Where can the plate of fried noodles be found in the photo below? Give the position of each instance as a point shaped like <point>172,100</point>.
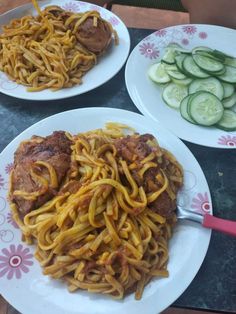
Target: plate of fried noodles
<point>87,215</point>
<point>58,49</point>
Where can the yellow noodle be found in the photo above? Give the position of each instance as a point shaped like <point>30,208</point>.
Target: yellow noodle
<point>104,237</point>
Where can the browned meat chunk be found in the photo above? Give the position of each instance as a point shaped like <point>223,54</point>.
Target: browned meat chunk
<point>163,205</point>
<point>133,149</point>
<point>54,150</point>
<point>96,38</point>
<point>95,34</point>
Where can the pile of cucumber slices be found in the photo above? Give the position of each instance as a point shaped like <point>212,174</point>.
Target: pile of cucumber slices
<point>200,83</point>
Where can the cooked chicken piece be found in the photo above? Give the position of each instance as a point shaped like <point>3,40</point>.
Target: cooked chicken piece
<point>96,38</point>
<point>53,149</point>
<point>133,149</point>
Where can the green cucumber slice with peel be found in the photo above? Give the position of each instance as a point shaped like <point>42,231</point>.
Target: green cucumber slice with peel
<point>230,101</point>
<point>184,109</point>
<point>228,89</point>
<point>192,69</point>
<point>205,108</point>
<point>229,76</point>
<point>173,94</point>
<point>209,84</point>
<point>228,121</point>
<point>157,73</point>
<point>208,64</point>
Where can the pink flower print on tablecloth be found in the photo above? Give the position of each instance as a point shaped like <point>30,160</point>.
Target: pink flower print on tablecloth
<point>201,203</point>
<point>189,29</point>
<point>160,33</point>
<point>227,140</point>
<point>9,167</point>
<point>11,221</point>
<point>149,50</point>
<point>15,261</point>
<point>1,182</point>
<point>202,35</point>
<point>71,6</point>
<point>114,21</point>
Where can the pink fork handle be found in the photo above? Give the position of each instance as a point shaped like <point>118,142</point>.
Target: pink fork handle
<point>226,226</point>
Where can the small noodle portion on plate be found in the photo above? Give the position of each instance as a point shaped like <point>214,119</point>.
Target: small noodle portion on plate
<point>53,49</point>
<point>99,206</point>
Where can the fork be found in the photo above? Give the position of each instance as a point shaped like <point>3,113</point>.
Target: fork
<point>208,221</point>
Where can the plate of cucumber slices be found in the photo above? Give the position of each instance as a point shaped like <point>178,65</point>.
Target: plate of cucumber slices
<point>185,78</point>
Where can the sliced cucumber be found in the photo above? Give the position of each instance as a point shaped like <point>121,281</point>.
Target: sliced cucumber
<point>170,67</point>
<point>219,72</point>
<point>176,75</point>
<point>192,69</point>
<point>200,49</point>
<point>228,121</point>
<point>229,76</point>
<point>158,74</point>
<point>205,108</point>
<point>221,54</point>
<point>208,64</point>
<point>209,84</point>
<point>213,55</point>
<point>200,83</point>
<point>184,82</point>
<point>178,49</point>
<point>179,62</point>
<point>173,94</point>
<point>230,101</point>
<point>231,62</point>
<point>169,56</point>
<point>228,89</point>
<point>184,109</point>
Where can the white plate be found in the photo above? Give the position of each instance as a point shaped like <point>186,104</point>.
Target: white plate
<point>108,65</point>
<point>34,293</point>
<point>146,95</point>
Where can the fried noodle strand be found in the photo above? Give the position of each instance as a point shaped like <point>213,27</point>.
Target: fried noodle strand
<point>104,237</point>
